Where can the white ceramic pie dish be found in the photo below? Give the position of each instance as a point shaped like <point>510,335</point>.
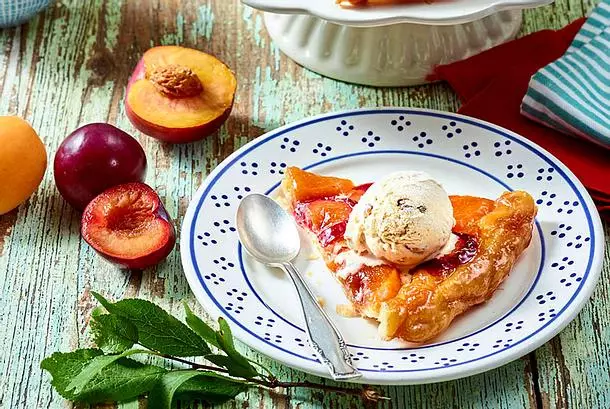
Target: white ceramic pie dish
<point>395,45</point>
<point>446,12</point>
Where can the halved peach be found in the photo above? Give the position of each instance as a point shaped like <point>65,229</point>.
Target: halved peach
<point>128,225</point>
<point>179,95</point>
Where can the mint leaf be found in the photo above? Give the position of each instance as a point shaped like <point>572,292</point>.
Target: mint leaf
<point>224,337</point>
<point>113,334</point>
<point>63,366</point>
<point>212,388</point>
<point>234,368</point>
<point>94,367</point>
<point>203,385</point>
<point>200,327</point>
<point>234,362</point>
<point>122,380</point>
<point>157,330</point>
<point>162,395</point>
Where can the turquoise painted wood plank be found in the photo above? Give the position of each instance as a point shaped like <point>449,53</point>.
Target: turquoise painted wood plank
<point>573,368</point>
<point>70,65</point>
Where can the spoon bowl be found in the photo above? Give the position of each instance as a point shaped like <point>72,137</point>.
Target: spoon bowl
<point>266,231</point>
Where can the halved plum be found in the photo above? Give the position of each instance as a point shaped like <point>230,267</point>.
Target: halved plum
<point>128,225</point>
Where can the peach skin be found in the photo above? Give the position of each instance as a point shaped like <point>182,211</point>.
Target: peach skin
<point>23,160</point>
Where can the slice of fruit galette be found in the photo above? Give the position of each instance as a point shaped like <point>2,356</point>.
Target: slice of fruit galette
<point>412,302</point>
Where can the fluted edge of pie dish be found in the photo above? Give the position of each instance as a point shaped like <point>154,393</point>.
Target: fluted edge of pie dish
<point>395,55</point>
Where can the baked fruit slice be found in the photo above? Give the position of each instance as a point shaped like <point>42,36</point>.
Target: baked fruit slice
<point>419,304</point>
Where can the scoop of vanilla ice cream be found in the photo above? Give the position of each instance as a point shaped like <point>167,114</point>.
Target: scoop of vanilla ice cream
<point>404,218</point>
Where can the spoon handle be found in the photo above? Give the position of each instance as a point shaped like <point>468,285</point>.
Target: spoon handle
<point>324,336</point>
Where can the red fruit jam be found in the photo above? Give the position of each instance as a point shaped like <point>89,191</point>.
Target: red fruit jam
<point>327,217</point>
<point>465,250</point>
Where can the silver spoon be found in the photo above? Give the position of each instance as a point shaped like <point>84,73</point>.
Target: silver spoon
<point>270,235</point>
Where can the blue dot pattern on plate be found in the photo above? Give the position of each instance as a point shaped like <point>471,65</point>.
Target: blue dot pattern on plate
<point>502,148</point>
<point>545,174</point>
<point>400,123</point>
<point>277,168</point>
<point>451,129</point>
<point>466,346</point>
<point>322,149</point>
<point>515,171</point>
<point>224,226</point>
<point>371,139</point>
<point>422,139</point>
<point>344,128</point>
<point>290,145</point>
<point>567,240</point>
<point>413,358</point>
<point>471,149</point>
<point>249,168</point>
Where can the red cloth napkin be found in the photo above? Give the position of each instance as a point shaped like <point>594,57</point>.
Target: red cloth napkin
<point>492,84</point>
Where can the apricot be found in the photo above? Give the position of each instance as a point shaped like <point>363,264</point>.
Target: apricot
<point>23,160</point>
<point>303,186</point>
<point>468,210</point>
<point>179,95</point>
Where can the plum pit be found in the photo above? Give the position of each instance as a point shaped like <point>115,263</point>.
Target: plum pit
<point>130,214</point>
<point>175,81</point>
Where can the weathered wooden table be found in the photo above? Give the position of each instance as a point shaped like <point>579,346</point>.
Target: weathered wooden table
<point>69,66</point>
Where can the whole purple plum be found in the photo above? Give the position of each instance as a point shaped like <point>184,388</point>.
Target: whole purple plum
<point>94,158</point>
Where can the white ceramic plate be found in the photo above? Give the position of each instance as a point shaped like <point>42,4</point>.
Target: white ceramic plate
<point>435,12</point>
<point>547,288</point>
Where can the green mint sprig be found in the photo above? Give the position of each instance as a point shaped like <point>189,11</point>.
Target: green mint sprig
<point>134,327</point>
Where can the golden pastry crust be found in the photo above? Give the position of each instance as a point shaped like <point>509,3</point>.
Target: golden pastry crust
<point>426,306</point>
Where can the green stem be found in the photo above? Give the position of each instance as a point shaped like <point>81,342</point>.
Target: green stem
<point>365,393</point>
<point>194,364</point>
<point>272,382</point>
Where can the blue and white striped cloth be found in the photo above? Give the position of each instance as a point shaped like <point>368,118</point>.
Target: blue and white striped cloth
<point>572,94</point>
<point>15,12</point>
